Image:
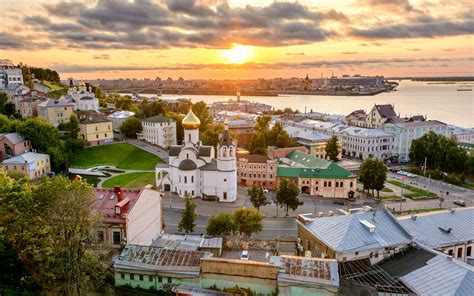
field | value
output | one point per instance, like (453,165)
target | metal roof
(14,138)
(425,228)
(442,275)
(346,233)
(28,157)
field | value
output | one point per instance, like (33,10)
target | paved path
(163,154)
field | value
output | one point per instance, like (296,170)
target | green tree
(248,221)
(222,224)
(73,127)
(373,174)
(258,144)
(188,219)
(287,195)
(48,225)
(201,110)
(332,148)
(6,107)
(278,137)
(179,127)
(257,196)
(262,124)
(131,127)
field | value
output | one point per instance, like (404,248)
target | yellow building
(55,111)
(95,129)
(34,165)
(319,149)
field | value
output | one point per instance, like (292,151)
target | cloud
(101,57)
(295,53)
(388,5)
(349,52)
(430,29)
(374,62)
(413,49)
(10,41)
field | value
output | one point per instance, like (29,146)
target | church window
(225,180)
(189,137)
(225,195)
(193,192)
(187,155)
(192,179)
(179,179)
(185,179)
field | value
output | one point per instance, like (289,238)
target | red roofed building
(129,216)
(255,168)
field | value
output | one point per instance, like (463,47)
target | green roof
(158,118)
(310,166)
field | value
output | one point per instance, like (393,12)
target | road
(272,227)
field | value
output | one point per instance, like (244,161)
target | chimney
(118,193)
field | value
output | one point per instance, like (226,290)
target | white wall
(144,221)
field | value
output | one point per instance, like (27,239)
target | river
(437,101)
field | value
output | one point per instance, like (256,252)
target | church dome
(191,121)
(187,165)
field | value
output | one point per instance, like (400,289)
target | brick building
(255,168)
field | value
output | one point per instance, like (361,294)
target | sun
(238,54)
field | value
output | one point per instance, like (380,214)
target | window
(192,179)
(116,237)
(225,180)
(185,179)
(325,184)
(169,280)
(351,184)
(356,253)
(225,195)
(192,192)
(141,277)
(189,137)
(337,184)
(450,252)
(329,184)
(132,276)
(468,251)
(150,278)
(100,236)
(122,275)
(160,279)
(459,253)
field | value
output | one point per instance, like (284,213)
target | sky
(239,39)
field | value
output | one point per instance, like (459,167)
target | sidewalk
(149,148)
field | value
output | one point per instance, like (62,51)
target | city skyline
(213,39)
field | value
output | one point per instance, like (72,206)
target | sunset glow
(238,54)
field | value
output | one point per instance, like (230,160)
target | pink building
(255,168)
(13,144)
(276,153)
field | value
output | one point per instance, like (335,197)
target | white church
(83,98)
(196,171)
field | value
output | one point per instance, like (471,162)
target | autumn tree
(332,148)
(222,224)
(188,219)
(257,196)
(248,221)
(287,195)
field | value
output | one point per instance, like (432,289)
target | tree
(179,127)
(258,144)
(332,148)
(201,110)
(373,174)
(222,224)
(287,195)
(48,225)
(72,127)
(131,127)
(6,107)
(248,221)
(188,220)
(262,124)
(257,196)
(154,108)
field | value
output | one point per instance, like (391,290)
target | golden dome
(191,121)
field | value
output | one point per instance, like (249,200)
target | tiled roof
(255,158)
(441,275)
(13,138)
(106,199)
(346,233)
(28,157)
(426,227)
(155,258)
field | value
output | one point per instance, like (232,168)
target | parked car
(402,173)
(460,202)
(265,190)
(244,255)
(410,175)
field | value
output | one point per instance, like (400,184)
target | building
(95,129)
(29,106)
(256,168)
(193,169)
(239,105)
(463,135)
(376,118)
(10,76)
(153,267)
(55,111)
(316,176)
(372,235)
(190,242)
(276,153)
(449,231)
(159,130)
(242,130)
(406,131)
(130,216)
(13,144)
(82,97)
(33,165)
(311,139)
(119,117)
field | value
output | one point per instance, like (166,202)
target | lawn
(131,180)
(93,180)
(122,156)
(51,85)
(386,189)
(415,192)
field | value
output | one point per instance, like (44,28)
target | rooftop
(13,138)
(28,157)
(386,110)
(427,228)
(158,118)
(359,231)
(156,258)
(55,103)
(255,158)
(121,114)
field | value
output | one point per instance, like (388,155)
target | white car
(265,190)
(402,173)
(244,255)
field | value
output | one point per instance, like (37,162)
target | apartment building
(32,164)
(55,111)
